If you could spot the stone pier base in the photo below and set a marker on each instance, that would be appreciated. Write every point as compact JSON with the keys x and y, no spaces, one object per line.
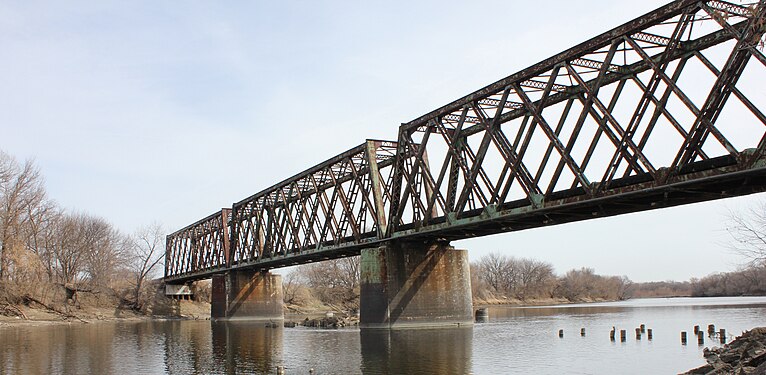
{"x":405,"y":285}
{"x":247,"y":295}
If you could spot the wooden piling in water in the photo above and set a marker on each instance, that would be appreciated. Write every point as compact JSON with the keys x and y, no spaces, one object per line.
{"x":649,"y":334}
{"x":611,"y":334}
{"x":700,"y":339}
{"x":622,"y":335}
{"x":638,"y":333}
{"x":561,"y":333}
{"x":482,"y":315}
{"x":683,"y":337}
{"x":711,"y":329}
{"x":582,"y":332}
{"x":722,"y":334}
{"x":643,"y":328}
{"x":696,"y":330}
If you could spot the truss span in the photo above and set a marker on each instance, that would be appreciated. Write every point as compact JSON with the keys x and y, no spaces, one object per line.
{"x":666,"y":109}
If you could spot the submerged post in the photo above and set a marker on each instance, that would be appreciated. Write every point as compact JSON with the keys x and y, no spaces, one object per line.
{"x":482,"y":315}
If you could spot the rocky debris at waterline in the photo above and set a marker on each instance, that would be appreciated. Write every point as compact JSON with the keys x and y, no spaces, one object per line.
{"x":745,"y":355}
{"x":329,"y":322}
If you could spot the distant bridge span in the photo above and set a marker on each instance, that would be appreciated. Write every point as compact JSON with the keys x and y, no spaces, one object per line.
{"x":664,"y":110}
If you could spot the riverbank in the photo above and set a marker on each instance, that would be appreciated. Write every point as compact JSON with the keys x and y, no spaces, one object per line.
{"x":745,"y":355}
{"x":513,"y":302}
{"x":96,"y":306}
{"x":187,"y":310}
{"x":88,"y":310}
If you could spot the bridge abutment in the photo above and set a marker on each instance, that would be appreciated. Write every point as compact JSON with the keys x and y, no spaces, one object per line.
{"x":410,"y":285}
{"x":247,"y":295}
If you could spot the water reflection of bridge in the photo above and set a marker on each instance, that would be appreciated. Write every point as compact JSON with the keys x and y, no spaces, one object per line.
{"x":661,"y":111}
{"x":234,"y":347}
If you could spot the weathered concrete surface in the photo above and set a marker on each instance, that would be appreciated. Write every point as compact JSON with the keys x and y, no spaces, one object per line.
{"x":405,"y":285}
{"x":218,"y":298}
{"x":247,"y":295}
{"x":745,"y":355}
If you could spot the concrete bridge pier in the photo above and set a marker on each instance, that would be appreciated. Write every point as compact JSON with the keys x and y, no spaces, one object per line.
{"x":415,"y":285}
{"x":247,"y":295}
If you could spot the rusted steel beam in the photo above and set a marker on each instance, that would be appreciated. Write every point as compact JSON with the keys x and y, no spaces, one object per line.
{"x":687,"y":49}
{"x":724,"y":85}
{"x":637,"y":25}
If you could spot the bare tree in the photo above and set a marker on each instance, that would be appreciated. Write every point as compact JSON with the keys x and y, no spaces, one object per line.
{"x":496,"y":270}
{"x":585,"y":284}
{"x":748,"y":231}
{"x":68,"y":247}
{"x":294,"y":289}
{"x":40,"y":233}
{"x":578,"y":284}
{"x":521,"y":278}
{"x":148,"y":247}
{"x":535,"y":278}
{"x":21,"y":192}
{"x":334,"y":282}
{"x":40,"y":243}
{"x":105,"y":248}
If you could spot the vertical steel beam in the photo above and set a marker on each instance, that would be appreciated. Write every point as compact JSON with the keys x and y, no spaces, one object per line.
{"x":225,"y":238}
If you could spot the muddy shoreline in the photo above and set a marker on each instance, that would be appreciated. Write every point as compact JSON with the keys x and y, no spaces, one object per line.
{"x":191,"y":310}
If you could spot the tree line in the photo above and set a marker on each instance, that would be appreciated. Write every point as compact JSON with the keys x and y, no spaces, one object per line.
{"x":43,"y":244}
{"x":498,"y":278}
{"x":495,"y":278}
{"x":747,"y":230}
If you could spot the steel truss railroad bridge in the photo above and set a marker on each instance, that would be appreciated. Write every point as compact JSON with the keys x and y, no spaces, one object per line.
{"x":664,"y":110}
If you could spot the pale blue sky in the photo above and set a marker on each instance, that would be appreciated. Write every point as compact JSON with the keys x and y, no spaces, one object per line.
{"x":146,"y":111}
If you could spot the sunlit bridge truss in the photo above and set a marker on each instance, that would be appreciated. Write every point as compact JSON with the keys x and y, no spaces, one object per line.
{"x":661,"y":111}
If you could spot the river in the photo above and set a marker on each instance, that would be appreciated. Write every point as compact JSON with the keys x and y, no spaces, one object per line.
{"x":514,"y":341}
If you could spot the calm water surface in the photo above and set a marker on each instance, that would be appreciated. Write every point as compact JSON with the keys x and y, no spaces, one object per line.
{"x":515,"y":341}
